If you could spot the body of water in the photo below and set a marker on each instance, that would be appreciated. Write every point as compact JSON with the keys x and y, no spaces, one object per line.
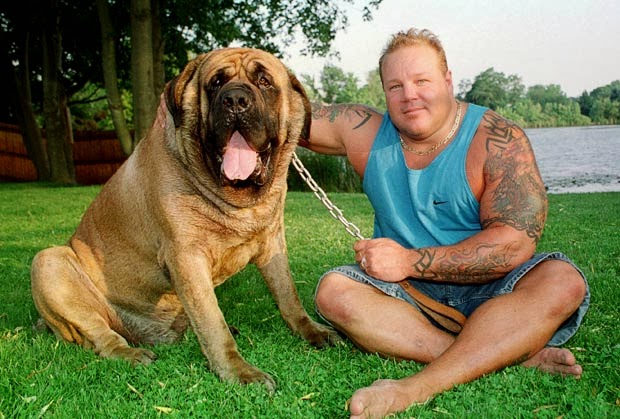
{"x":578,"y":159}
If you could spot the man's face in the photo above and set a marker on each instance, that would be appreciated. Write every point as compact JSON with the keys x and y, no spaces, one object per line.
{"x":418,"y":92}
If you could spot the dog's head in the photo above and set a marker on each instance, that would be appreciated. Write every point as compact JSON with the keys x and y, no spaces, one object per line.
{"x":238,"y":115}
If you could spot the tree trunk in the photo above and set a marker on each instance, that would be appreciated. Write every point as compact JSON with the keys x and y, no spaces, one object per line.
{"x":158,"y":42}
{"x":144,"y":100}
{"x":55,"y":108}
{"x":21,"y":92}
{"x":110,"y":78}
{"x":31,"y":133}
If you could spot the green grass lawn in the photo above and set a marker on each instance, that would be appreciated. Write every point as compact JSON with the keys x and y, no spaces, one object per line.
{"x":40,"y":376}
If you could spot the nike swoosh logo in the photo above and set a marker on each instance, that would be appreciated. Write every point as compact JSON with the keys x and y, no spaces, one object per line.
{"x":435,"y":202}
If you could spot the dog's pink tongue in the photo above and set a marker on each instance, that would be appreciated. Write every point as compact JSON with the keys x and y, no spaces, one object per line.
{"x":239,"y":159}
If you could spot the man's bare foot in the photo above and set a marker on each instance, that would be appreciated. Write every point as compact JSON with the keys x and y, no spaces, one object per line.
{"x":555,"y":361}
{"x":382,"y":398}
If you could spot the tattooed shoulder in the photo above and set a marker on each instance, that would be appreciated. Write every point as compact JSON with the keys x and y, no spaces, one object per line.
{"x":358,"y":115}
{"x":500,"y":132}
{"x":517,"y":194}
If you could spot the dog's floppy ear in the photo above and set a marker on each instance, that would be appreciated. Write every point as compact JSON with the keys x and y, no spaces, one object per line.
{"x":171,"y":103}
{"x":299,"y":88}
{"x":173,"y":92}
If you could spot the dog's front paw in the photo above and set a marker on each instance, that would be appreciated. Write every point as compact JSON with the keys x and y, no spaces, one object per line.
{"x":253,"y":375}
{"x":320,"y":336}
{"x":134,"y":355}
{"x":245,"y":373}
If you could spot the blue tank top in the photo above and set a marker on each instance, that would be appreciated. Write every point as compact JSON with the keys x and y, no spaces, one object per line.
{"x":434,"y":206}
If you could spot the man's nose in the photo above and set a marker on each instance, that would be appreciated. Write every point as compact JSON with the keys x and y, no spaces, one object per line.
{"x":409,"y":91}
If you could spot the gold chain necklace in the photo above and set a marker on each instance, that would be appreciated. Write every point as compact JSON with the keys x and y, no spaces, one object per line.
{"x":457,"y":119}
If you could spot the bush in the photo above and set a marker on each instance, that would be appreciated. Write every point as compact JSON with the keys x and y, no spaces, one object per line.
{"x":331,"y":173}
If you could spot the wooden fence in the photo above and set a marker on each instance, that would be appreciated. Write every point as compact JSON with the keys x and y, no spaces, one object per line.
{"x":96,"y":156}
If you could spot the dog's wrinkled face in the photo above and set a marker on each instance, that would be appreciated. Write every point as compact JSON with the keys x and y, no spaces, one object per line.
{"x":240,"y":123}
{"x":238,"y":108}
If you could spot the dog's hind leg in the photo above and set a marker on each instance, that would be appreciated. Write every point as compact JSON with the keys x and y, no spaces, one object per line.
{"x":75,"y":310}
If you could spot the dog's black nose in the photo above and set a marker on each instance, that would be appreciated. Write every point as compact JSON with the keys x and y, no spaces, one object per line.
{"x":236,"y":100}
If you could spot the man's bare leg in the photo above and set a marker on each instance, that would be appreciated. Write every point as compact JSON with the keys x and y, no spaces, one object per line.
{"x":378,"y":323}
{"x":385,"y":396}
{"x":502,"y":332}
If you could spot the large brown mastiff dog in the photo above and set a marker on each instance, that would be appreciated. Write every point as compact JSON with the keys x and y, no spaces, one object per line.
{"x":200,"y":198}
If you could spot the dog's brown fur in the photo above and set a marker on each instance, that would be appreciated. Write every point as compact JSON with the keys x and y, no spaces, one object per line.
{"x":170,"y":226}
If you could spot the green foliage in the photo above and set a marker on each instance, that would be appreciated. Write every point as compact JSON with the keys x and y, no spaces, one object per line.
{"x":336,"y":86}
{"x":526,"y":114}
{"x":551,"y":93}
{"x":188,"y":27}
{"x":539,"y":106}
{"x":494,"y":89}
{"x":530,"y":114}
{"x":41,"y":377}
{"x":89,"y":109}
{"x":372,"y":93}
{"x":602,"y":105}
{"x":605,"y":111}
{"x":542,"y":106}
{"x":565,"y":114}
{"x":331,"y":173}
{"x":268,"y":24}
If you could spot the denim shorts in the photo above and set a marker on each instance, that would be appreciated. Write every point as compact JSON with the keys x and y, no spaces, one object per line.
{"x":467,"y":298}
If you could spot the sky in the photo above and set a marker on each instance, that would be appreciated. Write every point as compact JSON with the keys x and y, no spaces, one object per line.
{"x":573,"y":43}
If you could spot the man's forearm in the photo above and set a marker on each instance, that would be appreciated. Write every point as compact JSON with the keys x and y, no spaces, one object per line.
{"x":474,"y":261}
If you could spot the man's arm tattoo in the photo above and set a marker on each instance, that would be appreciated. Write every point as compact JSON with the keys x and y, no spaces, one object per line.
{"x":351,"y":112}
{"x":423,"y":265}
{"x":479,"y":264}
{"x":519,"y":200}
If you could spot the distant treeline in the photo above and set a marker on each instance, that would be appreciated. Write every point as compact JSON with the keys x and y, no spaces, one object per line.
{"x":532,"y":107}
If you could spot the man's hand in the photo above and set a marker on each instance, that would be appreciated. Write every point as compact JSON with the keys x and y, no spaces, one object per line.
{"x":383,"y":258}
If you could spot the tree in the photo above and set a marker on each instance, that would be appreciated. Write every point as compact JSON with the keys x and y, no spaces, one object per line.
{"x":143,"y":66}
{"x":494,"y":89}
{"x":551,"y":93}
{"x":110,"y":76}
{"x":138,"y":31}
{"x":602,"y":104}
{"x":542,"y":106}
{"x":585,"y":102}
{"x":605,"y":111}
{"x":526,"y":113}
{"x":372,"y":93}
{"x":55,"y":100}
{"x":45,"y":48}
{"x":15,"y":42}
{"x":464,"y":87}
{"x":201,"y":26}
{"x":336,"y":86}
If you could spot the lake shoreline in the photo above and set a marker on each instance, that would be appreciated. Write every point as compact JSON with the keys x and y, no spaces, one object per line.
{"x":580,"y":159}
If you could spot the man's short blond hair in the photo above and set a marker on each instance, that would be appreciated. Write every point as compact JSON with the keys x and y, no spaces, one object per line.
{"x":413,"y":37}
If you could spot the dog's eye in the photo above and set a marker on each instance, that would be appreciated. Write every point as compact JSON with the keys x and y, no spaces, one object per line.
{"x":215,"y":83}
{"x":264,"y":82}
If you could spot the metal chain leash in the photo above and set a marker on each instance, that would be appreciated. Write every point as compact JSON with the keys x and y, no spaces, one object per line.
{"x":336,"y":212}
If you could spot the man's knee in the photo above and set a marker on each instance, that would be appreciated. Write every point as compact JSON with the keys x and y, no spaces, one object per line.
{"x":333,"y":298}
{"x":560,"y":281}
{"x":566,"y":281}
